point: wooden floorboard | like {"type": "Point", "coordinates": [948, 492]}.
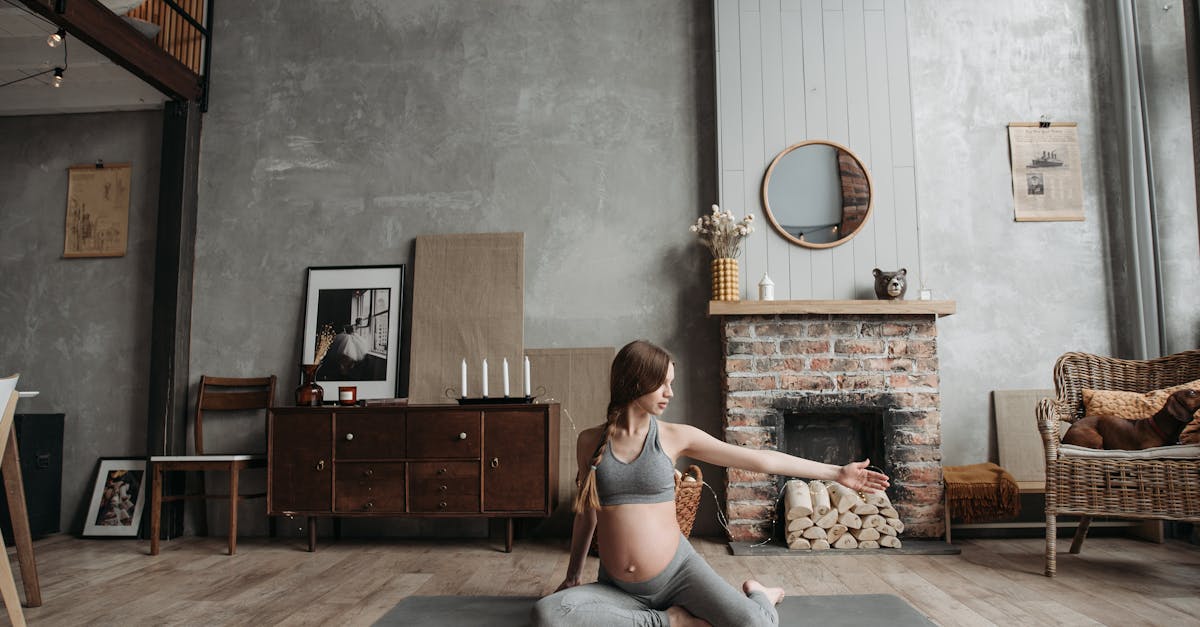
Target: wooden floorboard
{"type": "Point", "coordinates": [1114, 581]}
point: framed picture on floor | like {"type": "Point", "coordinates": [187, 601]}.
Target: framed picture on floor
{"type": "Point", "coordinates": [117, 498]}
{"type": "Point", "coordinates": [352, 328]}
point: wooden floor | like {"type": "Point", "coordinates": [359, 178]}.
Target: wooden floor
{"type": "Point", "coordinates": [1115, 581]}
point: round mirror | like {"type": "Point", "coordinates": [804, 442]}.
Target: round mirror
{"type": "Point", "coordinates": [817, 194]}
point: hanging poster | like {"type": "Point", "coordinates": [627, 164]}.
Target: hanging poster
{"type": "Point", "coordinates": [97, 222]}
{"type": "Point", "coordinates": [1047, 176]}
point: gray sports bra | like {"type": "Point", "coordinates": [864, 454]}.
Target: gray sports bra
{"type": "Point", "coordinates": [648, 479]}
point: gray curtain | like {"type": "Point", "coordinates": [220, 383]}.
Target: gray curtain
{"type": "Point", "coordinates": [1137, 265]}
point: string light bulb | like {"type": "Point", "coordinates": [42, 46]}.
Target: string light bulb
{"type": "Point", "coordinates": [58, 77]}
{"type": "Point", "coordinates": [56, 38]}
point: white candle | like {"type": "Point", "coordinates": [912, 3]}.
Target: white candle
{"type": "Point", "coordinates": [485, 377]}
{"type": "Point", "coordinates": [504, 368]}
{"type": "Point", "coordinates": [527, 393]}
{"type": "Point", "coordinates": [464, 378]}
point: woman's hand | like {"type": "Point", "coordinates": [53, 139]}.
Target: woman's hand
{"type": "Point", "coordinates": [569, 582]}
{"type": "Point", "coordinates": [856, 477]}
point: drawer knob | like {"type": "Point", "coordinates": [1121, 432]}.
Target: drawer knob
{"type": "Point", "coordinates": [321, 465]}
{"type": "Point", "coordinates": [495, 462]}
{"type": "Point", "coordinates": [349, 436]}
{"type": "Point", "coordinates": [441, 471]}
{"type": "Point", "coordinates": [442, 488]}
{"type": "Point", "coordinates": [462, 436]}
{"type": "Point", "coordinates": [369, 505]}
{"type": "Point", "coordinates": [442, 505]}
{"type": "Point", "coordinates": [368, 472]}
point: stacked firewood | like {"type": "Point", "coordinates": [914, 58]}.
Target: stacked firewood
{"type": "Point", "coordinates": [824, 514]}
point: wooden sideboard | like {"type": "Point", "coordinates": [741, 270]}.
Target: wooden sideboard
{"type": "Point", "coordinates": [473, 461]}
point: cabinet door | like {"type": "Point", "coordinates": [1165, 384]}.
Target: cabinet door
{"type": "Point", "coordinates": [301, 462]}
{"type": "Point", "coordinates": [514, 461]}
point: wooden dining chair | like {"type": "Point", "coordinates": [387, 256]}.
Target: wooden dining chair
{"type": "Point", "coordinates": [8, 585]}
{"type": "Point", "coordinates": [217, 397]}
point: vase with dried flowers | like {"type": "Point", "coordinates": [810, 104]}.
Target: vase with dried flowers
{"type": "Point", "coordinates": [309, 392]}
{"type": "Point", "coordinates": [723, 237]}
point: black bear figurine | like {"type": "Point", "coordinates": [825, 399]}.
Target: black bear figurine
{"type": "Point", "coordinates": [890, 285]}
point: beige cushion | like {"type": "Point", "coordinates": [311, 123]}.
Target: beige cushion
{"type": "Point", "coordinates": [1178, 451]}
{"type": "Point", "coordinates": [1135, 405]}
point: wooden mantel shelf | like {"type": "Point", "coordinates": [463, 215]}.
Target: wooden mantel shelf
{"type": "Point", "coordinates": [852, 307]}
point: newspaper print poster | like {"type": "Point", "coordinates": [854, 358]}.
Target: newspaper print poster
{"type": "Point", "coordinates": [1047, 176]}
{"type": "Point", "coordinates": [97, 211]}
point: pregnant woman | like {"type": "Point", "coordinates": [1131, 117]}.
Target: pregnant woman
{"type": "Point", "coordinates": [649, 573]}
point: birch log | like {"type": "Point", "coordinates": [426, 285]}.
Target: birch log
{"type": "Point", "coordinates": [842, 497]}
{"type": "Point", "coordinates": [868, 544]}
{"type": "Point", "coordinates": [820, 498]}
{"type": "Point", "coordinates": [874, 520]}
{"type": "Point", "coordinates": [814, 533]}
{"type": "Point", "coordinates": [799, 544]}
{"type": "Point", "coordinates": [895, 524]}
{"type": "Point", "coordinates": [851, 520]}
{"type": "Point", "coordinates": [828, 520]}
{"type": "Point", "coordinates": [892, 542]}
{"type": "Point", "coordinates": [797, 500]}
{"type": "Point", "coordinates": [836, 532]}
{"type": "Point", "coordinates": [845, 542]}
{"type": "Point", "coordinates": [800, 524]}
{"type": "Point", "coordinates": [820, 544]}
{"type": "Point", "coordinates": [879, 499]}
{"type": "Point", "coordinates": [863, 508]}
{"type": "Point", "coordinates": [866, 533]}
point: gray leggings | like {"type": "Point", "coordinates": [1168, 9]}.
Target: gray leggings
{"type": "Point", "coordinates": [688, 581]}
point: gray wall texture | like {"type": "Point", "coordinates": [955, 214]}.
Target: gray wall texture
{"type": "Point", "coordinates": [338, 132]}
{"type": "Point", "coordinates": [76, 329]}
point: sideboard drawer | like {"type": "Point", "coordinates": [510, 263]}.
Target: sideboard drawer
{"type": "Point", "coordinates": [443, 434]}
{"type": "Point", "coordinates": [369, 436]}
{"type": "Point", "coordinates": [368, 487]}
{"type": "Point", "coordinates": [451, 487]}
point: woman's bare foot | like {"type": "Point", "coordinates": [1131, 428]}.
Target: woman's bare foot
{"type": "Point", "coordinates": [775, 595]}
{"type": "Point", "coordinates": [680, 617]}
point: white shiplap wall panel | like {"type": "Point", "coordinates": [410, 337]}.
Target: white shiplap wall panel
{"type": "Point", "coordinates": [900, 99]}
{"type": "Point", "coordinates": [750, 45]}
{"type": "Point", "coordinates": [879, 105]}
{"type": "Point", "coordinates": [775, 135]}
{"type": "Point", "coordinates": [790, 70]}
{"type": "Point", "coordinates": [859, 118]}
{"type": "Point", "coordinates": [841, 258]}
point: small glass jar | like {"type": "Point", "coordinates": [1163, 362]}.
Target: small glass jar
{"type": "Point", "coordinates": [347, 395]}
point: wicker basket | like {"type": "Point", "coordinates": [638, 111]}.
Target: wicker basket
{"type": "Point", "coordinates": [687, 501]}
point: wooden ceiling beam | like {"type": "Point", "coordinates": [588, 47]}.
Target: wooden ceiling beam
{"type": "Point", "coordinates": [92, 23]}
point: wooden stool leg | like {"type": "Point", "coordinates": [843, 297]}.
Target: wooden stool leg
{"type": "Point", "coordinates": [946, 515]}
{"type": "Point", "coordinates": [8, 589]}
{"type": "Point", "coordinates": [156, 499]}
{"type": "Point", "coordinates": [14, 488]}
{"type": "Point", "coordinates": [233, 509]}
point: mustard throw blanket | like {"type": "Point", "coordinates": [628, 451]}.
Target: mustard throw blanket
{"type": "Point", "coordinates": [981, 492]}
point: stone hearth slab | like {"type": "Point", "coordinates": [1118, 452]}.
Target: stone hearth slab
{"type": "Point", "coordinates": [910, 547]}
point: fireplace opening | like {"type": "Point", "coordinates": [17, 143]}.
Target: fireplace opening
{"type": "Point", "coordinates": [835, 436]}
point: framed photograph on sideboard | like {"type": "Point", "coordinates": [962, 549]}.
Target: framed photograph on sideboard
{"type": "Point", "coordinates": [352, 315]}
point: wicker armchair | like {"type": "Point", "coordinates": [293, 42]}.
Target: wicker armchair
{"type": "Point", "coordinates": [1159, 488]}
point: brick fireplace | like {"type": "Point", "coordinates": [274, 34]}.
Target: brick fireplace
{"type": "Point", "coordinates": [784, 359]}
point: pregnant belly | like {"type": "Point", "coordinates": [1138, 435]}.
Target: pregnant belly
{"type": "Point", "coordinates": [637, 541]}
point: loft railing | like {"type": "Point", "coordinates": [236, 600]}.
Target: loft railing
{"type": "Point", "coordinates": [183, 33]}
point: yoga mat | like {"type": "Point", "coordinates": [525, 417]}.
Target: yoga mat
{"type": "Point", "coordinates": [842, 610]}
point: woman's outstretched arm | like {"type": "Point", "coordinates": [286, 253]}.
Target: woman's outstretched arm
{"type": "Point", "coordinates": [700, 445]}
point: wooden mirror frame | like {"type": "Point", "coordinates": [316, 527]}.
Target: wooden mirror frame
{"type": "Point", "coordinates": [800, 240]}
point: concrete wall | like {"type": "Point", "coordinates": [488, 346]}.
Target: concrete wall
{"type": "Point", "coordinates": [76, 329]}
{"type": "Point", "coordinates": [1028, 292]}
{"type": "Point", "coordinates": [339, 132]}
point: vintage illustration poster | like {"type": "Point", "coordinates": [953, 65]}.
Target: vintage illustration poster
{"type": "Point", "coordinates": [97, 222]}
{"type": "Point", "coordinates": [1047, 176]}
